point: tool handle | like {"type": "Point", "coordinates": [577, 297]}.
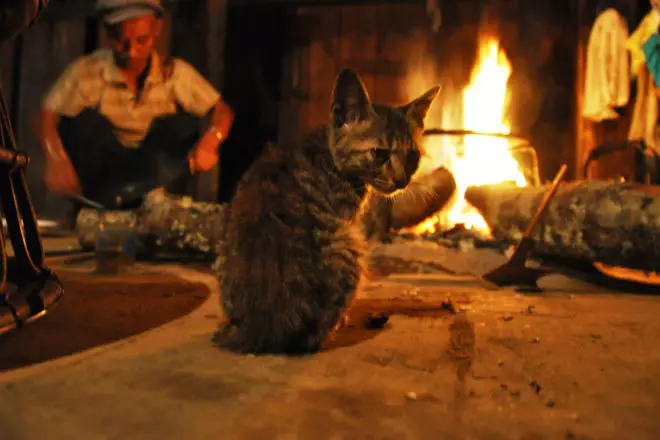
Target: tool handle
{"type": "Point", "coordinates": [545, 202]}
{"type": "Point", "coordinates": [88, 203]}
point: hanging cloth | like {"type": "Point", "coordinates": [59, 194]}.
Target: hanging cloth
{"type": "Point", "coordinates": [607, 83]}
{"type": "Point", "coordinates": [652, 57]}
{"type": "Point", "coordinates": [643, 124]}
{"type": "Point", "coordinates": [647, 27]}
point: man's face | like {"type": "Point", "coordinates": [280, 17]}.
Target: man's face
{"type": "Point", "coordinates": [133, 41]}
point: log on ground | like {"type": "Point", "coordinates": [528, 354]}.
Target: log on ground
{"type": "Point", "coordinates": [609, 222]}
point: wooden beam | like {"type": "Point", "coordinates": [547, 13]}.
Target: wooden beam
{"type": "Point", "coordinates": [583, 130]}
{"type": "Point", "coordinates": [79, 9]}
{"type": "Point", "coordinates": [320, 2]}
{"type": "Point", "coordinates": [208, 182]}
{"type": "Point", "coordinates": [198, 36]}
{"type": "Point", "coordinates": [217, 27]}
{"type": "Point", "coordinates": [47, 49]}
{"type": "Point", "coordinates": [69, 10]}
{"type": "Point", "coordinates": [59, 10]}
{"type": "Point", "coordinates": [8, 77]}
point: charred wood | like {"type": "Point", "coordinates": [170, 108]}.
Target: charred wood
{"type": "Point", "coordinates": [424, 197]}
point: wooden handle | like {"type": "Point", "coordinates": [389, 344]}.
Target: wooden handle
{"type": "Point", "coordinates": [546, 201]}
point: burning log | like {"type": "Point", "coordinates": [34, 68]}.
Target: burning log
{"type": "Point", "coordinates": [597, 221]}
{"type": "Point", "coordinates": [424, 197]}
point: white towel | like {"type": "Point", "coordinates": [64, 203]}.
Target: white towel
{"type": "Point", "coordinates": [607, 84]}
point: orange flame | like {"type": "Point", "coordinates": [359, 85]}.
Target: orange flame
{"type": "Point", "coordinates": [478, 160]}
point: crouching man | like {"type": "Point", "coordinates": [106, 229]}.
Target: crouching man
{"type": "Point", "coordinates": [123, 127]}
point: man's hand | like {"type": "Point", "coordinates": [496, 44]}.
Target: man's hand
{"type": "Point", "coordinates": [205, 154]}
{"type": "Point", "coordinates": [61, 179]}
{"type": "Point", "coordinates": [203, 159]}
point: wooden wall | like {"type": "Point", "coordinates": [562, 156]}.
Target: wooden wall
{"type": "Point", "coordinates": [394, 49]}
{"type": "Point", "coordinates": [390, 44]}
{"type": "Point", "coordinates": [193, 30]}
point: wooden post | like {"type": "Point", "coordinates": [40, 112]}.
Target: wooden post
{"type": "Point", "coordinates": [198, 36]}
{"type": "Point", "coordinates": [8, 78]}
{"type": "Point", "coordinates": [207, 183]}
{"type": "Point", "coordinates": [47, 49]}
{"type": "Point", "coordinates": [579, 92]}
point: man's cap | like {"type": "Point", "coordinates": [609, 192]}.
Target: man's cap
{"type": "Point", "coordinates": [116, 11]}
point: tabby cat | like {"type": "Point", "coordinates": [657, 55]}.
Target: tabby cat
{"type": "Point", "coordinates": [292, 259]}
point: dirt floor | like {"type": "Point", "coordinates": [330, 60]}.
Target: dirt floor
{"type": "Point", "coordinates": [99, 310]}
{"type": "Point", "coordinates": [454, 361]}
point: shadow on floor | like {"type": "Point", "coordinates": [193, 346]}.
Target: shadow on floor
{"type": "Point", "coordinates": [368, 317]}
{"type": "Point", "coordinates": [97, 310]}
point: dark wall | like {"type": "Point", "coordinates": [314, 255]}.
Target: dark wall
{"type": "Point", "coordinates": [543, 81]}
{"type": "Point", "coordinates": [253, 66]}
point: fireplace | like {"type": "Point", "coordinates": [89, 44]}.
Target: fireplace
{"type": "Point", "coordinates": [490, 157]}
{"type": "Point", "coordinates": [505, 68]}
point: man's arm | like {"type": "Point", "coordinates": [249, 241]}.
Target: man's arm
{"type": "Point", "coordinates": [59, 174]}
{"type": "Point", "coordinates": [65, 98]}
{"type": "Point", "coordinates": [50, 138]}
{"type": "Point", "coordinates": [198, 97]}
{"type": "Point", "coordinates": [205, 154]}
{"type": "Point", "coordinates": [16, 15]}
{"type": "Point", "coordinates": [222, 118]}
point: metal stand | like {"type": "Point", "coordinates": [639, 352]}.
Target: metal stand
{"type": "Point", "coordinates": [28, 289]}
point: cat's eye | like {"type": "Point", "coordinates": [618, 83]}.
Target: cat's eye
{"type": "Point", "coordinates": [381, 155]}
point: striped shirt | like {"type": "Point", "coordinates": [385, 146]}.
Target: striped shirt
{"type": "Point", "coordinates": [95, 82]}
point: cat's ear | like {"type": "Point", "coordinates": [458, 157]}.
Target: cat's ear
{"type": "Point", "coordinates": [350, 100]}
{"type": "Point", "coordinates": [418, 108]}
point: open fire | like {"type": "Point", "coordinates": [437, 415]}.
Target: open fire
{"type": "Point", "coordinates": [473, 160]}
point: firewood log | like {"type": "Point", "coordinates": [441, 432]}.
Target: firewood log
{"type": "Point", "coordinates": [596, 221]}
{"type": "Point", "coordinates": [423, 197]}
